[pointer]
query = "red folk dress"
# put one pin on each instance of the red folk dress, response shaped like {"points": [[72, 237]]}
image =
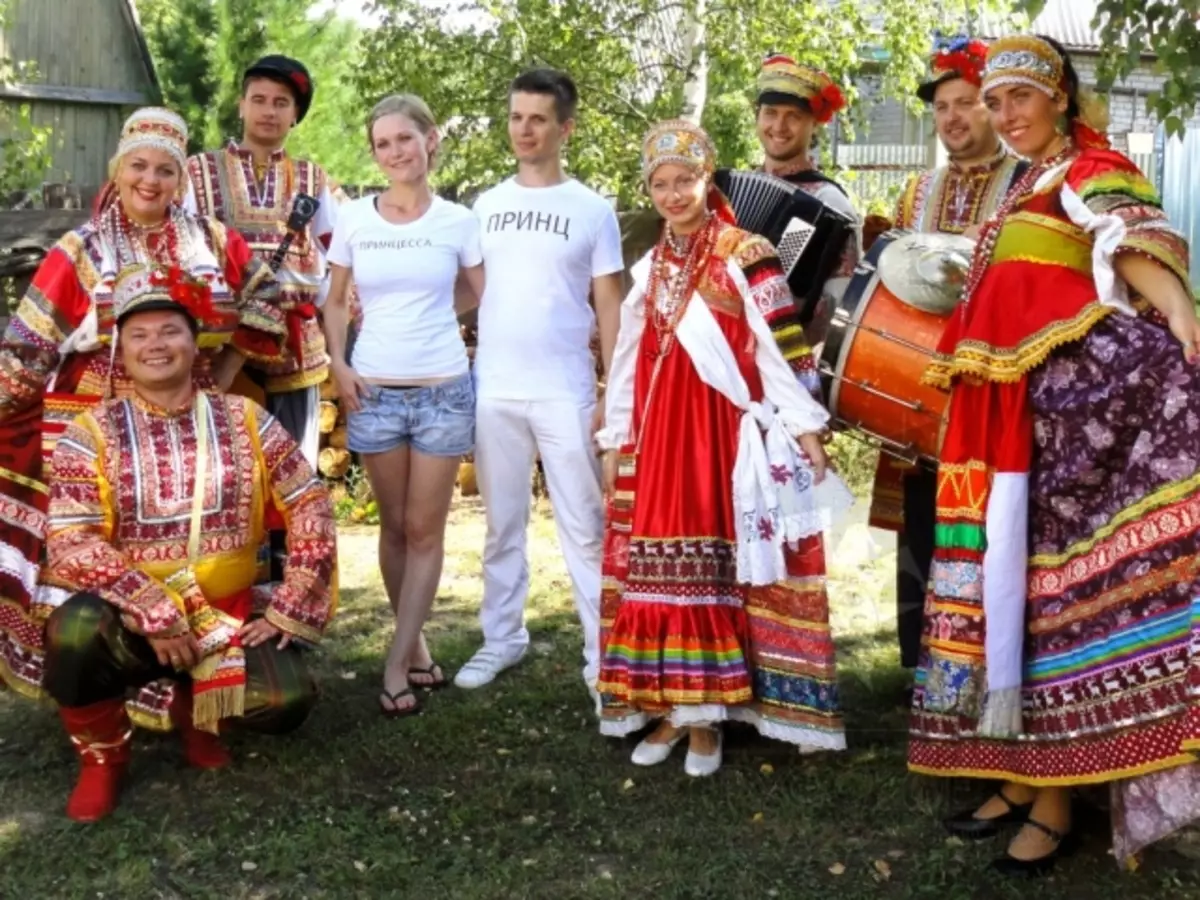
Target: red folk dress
{"points": [[681, 635]]}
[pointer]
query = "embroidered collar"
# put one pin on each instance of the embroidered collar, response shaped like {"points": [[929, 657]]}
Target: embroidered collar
{"points": [[247, 154], [991, 164], [141, 404], [796, 166]]}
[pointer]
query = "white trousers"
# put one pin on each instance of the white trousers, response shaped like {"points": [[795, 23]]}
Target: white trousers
{"points": [[508, 436]]}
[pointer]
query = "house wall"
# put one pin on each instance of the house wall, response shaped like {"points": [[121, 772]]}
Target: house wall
{"points": [[89, 49]]}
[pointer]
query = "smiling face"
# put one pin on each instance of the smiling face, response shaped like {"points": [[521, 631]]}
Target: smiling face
{"points": [[785, 130], [147, 181], [402, 151], [268, 110], [962, 120], [678, 193], [536, 134], [158, 348], [1026, 118]]}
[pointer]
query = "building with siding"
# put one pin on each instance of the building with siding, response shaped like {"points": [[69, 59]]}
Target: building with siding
{"points": [[90, 68]]}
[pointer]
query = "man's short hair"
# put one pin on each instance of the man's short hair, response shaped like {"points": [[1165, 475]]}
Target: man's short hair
{"points": [[552, 83]]}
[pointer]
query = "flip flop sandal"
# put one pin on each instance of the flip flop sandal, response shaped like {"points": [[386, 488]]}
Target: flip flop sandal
{"points": [[397, 712], [435, 672]]}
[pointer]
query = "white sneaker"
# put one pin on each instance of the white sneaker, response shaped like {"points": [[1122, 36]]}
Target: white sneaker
{"points": [[486, 664], [699, 766], [651, 754]]}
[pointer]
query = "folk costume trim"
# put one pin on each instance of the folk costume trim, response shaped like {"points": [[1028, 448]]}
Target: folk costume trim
{"points": [[226, 187], [782, 78]]}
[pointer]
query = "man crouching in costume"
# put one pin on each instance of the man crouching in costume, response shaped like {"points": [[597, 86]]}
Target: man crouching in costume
{"points": [[158, 504]]}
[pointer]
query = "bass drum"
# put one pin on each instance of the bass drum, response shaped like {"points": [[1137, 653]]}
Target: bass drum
{"points": [[882, 337]]}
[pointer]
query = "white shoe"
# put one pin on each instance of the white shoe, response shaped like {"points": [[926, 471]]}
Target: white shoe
{"points": [[651, 754], [699, 766], [486, 664]]}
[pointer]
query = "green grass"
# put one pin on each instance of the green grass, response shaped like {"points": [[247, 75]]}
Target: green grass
{"points": [[510, 791]]}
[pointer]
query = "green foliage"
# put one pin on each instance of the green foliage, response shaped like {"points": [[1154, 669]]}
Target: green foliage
{"points": [[202, 47], [1168, 31], [26, 151], [461, 56]]}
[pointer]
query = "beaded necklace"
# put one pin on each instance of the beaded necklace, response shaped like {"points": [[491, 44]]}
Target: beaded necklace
{"points": [[989, 232], [156, 244], [678, 290]]}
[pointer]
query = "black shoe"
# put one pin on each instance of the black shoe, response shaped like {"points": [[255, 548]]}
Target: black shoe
{"points": [[1065, 845], [968, 826]]}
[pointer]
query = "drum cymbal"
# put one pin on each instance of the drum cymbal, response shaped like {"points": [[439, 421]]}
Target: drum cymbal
{"points": [[927, 271]]}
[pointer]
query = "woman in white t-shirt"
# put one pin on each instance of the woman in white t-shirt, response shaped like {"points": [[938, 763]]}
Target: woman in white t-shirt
{"points": [[407, 389]]}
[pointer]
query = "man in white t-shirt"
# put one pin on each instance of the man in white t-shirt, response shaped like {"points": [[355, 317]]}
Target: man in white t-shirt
{"points": [[547, 242]]}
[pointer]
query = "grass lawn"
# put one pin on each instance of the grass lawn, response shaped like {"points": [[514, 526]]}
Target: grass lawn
{"points": [[510, 791]]}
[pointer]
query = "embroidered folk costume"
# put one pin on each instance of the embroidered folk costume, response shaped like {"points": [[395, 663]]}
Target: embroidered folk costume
{"points": [[1062, 644], [713, 604], [57, 359], [155, 520], [783, 81], [949, 199], [256, 201]]}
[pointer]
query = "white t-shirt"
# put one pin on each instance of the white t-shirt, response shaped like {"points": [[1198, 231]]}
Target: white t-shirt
{"points": [[541, 249], [405, 278]]}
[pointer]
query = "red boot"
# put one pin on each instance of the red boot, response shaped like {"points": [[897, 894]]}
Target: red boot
{"points": [[201, 749], [101, 734]]}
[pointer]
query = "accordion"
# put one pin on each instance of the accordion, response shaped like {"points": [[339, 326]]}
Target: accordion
{"points": [[807, 234]]}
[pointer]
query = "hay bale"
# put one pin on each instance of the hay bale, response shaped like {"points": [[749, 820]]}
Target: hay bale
{"points": [[333, 463], [329, 416]]}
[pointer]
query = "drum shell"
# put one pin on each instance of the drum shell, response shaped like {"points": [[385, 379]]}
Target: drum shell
{"points": [[877, 349]]}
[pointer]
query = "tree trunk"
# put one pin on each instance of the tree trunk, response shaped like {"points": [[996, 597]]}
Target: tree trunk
{"points": [[695, 88]]}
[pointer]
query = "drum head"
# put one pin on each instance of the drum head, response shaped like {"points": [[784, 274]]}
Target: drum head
{"points": [[927, 271]]}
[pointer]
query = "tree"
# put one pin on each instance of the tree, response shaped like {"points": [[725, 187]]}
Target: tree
{"points": [[1165, 29], [635, 61], [202, 47], [179, 35]]}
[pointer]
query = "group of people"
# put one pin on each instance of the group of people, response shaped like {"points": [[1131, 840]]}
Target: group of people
{"points": [[1048, 573]]}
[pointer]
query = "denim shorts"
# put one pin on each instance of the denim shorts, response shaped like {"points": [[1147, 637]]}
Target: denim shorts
{"points": [[437, 420]]}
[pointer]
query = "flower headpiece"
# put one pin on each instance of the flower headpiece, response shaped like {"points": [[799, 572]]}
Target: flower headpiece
{"points": [[158, 128], [678, 141], [959, 57], [783, 80], [142, 288], [1025, 59]]}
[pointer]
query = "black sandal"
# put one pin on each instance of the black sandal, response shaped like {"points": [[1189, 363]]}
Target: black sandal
{"points": [[1064, 846], [970, 827], [434, 672], [396, 712]]}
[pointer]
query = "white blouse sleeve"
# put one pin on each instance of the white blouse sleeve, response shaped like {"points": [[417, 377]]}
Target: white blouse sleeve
{"points": [[618, 395], [796, 407]]}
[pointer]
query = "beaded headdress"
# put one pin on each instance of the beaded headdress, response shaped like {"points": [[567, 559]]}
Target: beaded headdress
{"points": [[678, 141], [1024, 59], [959, 57], [158, 128], [783, 80], [143, 288]]}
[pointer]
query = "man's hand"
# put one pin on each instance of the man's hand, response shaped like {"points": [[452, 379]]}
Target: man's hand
{"points": [[260, 631], [180, 653]]}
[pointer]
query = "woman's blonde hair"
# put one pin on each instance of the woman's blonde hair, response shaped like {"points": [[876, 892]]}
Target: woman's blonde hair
{"points": [[411, 107]]}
